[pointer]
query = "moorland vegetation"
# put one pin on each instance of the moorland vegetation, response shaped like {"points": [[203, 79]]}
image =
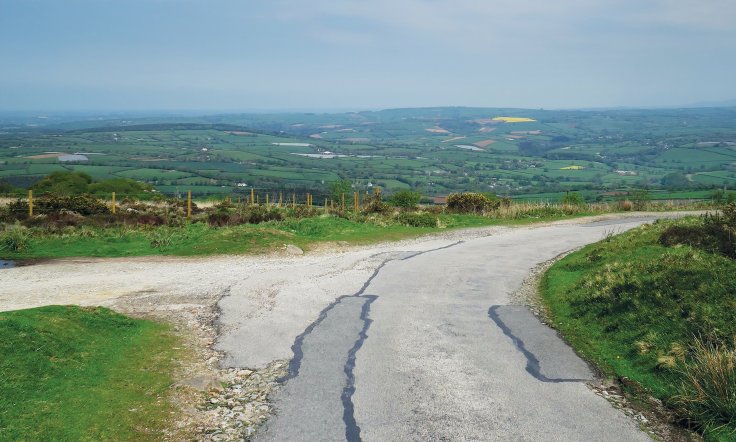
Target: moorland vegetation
{"points": [[654, 307]]}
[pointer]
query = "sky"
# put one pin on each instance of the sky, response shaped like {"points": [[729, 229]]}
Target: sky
{"points": [[249, 55]]}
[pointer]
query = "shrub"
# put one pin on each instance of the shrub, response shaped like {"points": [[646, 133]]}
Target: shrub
{"points": [[250, 215], [406, 199], [374, 204], [417, 219], [81, 204], [471, 202], [218, 219], [260, 214], [17, 209], [340, 187], [300, 212], [573, 199], [708, 390], [713, 233], [729, 214], [148, 219]]}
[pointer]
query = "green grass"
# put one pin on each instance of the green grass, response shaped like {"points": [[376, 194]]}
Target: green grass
{"points": [[635, 308], [198, 239], [83, 374]]}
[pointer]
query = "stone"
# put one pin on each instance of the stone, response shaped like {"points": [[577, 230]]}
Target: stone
{"points": [[291, 249]]}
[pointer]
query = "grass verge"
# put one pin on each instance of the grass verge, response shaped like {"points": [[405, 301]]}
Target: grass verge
{"points": [[73, 373], [662, 317], [201, 239]]}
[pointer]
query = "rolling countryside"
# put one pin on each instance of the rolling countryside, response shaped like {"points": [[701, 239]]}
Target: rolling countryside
{"points": [[531, 154]]}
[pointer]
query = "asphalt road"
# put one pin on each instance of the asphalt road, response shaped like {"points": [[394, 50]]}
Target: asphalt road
{"points": [[431, 348]]}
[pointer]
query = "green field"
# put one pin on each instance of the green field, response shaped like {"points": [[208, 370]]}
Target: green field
{"points": [[393, 149]]}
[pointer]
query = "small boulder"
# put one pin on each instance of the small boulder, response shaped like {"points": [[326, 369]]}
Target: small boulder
{"points": [[291, 249]]}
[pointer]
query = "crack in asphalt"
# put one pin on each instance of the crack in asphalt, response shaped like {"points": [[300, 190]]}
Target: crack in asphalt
{"points": [[352, 430], [296, 348], [532, 363]]}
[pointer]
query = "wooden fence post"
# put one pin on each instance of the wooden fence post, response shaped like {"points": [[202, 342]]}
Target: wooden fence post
{"points": [[30, 203], [355, 201], [252, 197], [189, 204], [281, 199], [266, 200], [293, 200], [113, 203], [342, 205]]}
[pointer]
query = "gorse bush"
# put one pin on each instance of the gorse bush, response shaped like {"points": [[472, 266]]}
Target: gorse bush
{"points": [[471, 202], [299, 212], [51, 203], [714, 233], [417, 219], [249, 215]]}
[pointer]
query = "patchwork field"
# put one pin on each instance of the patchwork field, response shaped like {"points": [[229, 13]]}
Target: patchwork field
{"points": [[435, 151]]}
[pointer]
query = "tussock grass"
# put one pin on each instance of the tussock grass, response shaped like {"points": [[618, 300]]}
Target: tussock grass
{"points": [[708, 389]]}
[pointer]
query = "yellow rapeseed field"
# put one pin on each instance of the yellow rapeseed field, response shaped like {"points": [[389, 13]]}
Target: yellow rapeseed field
{"points": [[514, 119], [572, 168]]}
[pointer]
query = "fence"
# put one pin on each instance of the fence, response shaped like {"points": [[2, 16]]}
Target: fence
{"points": [[279, 199]]}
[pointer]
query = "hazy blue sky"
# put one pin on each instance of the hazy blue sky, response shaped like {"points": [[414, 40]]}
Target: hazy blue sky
{"points": [[360, 54]]}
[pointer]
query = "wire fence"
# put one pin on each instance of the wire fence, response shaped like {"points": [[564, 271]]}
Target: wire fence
{"points": [[355, 201]]}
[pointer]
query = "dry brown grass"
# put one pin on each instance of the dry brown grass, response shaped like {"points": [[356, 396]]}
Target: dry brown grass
{"points": [[708, 391]]}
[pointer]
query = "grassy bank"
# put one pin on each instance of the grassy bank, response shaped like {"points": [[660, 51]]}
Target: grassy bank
{"points": [[192, 239], [71, 373], [656, 305]]}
